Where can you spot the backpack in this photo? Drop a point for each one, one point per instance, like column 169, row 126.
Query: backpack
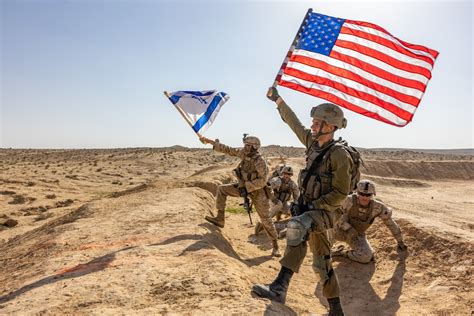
column 356, row 159
column 326, row 153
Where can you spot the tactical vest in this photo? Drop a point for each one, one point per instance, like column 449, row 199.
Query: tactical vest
column 283, row 193
column 247, row 168
column 361, row 222
column 320, row 180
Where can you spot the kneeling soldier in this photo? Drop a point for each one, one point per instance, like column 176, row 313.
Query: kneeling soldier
column 359, row 212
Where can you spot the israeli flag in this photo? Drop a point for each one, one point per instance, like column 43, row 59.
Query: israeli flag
column 199, row 108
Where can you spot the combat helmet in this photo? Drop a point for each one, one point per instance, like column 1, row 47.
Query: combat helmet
column 330, row 113
column 366, row 187
column 287, row 169
column 252, row 140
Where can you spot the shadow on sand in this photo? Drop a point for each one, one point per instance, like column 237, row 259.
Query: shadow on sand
column 92, row 266
column 213, row 239
column 354, row 279
column 275, row 309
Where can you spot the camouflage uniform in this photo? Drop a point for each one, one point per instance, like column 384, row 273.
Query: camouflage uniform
column 254, row 171
column 323, row 194
column 355, row 220
column 282, row 193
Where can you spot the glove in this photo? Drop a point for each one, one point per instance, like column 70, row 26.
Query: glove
column 294, row 209
column 401, row 246
column 206, row 140
column 243, row 192
column 298, row 209
column 272, row 94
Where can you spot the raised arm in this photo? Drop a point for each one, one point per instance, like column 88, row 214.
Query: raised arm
column 217, row 146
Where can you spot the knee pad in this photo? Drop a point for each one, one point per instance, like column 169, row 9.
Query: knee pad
column 297, row 230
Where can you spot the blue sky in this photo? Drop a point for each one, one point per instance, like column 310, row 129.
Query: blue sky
column 91, row 74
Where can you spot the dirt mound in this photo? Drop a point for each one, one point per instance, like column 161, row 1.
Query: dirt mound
column 423, row 170
column 396, row 181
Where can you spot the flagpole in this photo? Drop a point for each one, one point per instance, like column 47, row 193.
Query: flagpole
column 290, row 51
column 182, row 113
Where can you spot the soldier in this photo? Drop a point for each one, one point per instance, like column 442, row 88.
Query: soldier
column 324, row 184
column 252, row 173
column 359, row 212
column 284, row 188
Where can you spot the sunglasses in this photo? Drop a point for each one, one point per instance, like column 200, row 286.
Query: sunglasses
column 364, row 194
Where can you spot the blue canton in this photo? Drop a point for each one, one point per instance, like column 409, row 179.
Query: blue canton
column 320, row 33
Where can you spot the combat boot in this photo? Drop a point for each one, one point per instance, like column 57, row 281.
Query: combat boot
column 276, row 291
column 219, row 220
column 275, row 250
column 335, row 308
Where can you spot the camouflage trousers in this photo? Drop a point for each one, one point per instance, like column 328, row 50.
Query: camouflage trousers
column 259, row 200
column 360, row 249
column 320, row 247
column 278, row 209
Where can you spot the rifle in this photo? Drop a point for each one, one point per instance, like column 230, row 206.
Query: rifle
column 248, row 207
column 243, row 193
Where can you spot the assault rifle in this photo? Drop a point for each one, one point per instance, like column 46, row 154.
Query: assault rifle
column 243, row 193
column 248, row 207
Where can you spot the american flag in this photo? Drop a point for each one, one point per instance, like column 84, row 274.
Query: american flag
column 359, row 66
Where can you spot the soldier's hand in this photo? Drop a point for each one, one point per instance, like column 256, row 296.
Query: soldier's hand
column 272, row 94
column 401, row 246
column 206, row 140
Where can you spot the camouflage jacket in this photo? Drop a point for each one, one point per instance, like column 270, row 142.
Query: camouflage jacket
column 361, row 218
column 253, row 168
column 284, row 191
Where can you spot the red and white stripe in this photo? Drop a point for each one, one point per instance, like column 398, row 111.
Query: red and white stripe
column 369, row 71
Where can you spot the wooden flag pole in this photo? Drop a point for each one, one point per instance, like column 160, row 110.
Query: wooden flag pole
column 292, row 48
column 182, row 114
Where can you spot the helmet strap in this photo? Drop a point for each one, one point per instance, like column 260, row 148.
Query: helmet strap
column 320, row 132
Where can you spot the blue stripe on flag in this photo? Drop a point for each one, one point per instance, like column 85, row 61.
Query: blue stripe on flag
column 207, row 115
column 200, row 93
column 174, row 98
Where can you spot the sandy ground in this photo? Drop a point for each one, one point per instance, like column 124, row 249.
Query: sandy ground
column 123, row 232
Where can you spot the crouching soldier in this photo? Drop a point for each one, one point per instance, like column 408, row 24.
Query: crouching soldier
column 252, row 173
column 359, row 212
column 284, row 191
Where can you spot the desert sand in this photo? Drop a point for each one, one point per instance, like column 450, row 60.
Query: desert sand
column 122, row 231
